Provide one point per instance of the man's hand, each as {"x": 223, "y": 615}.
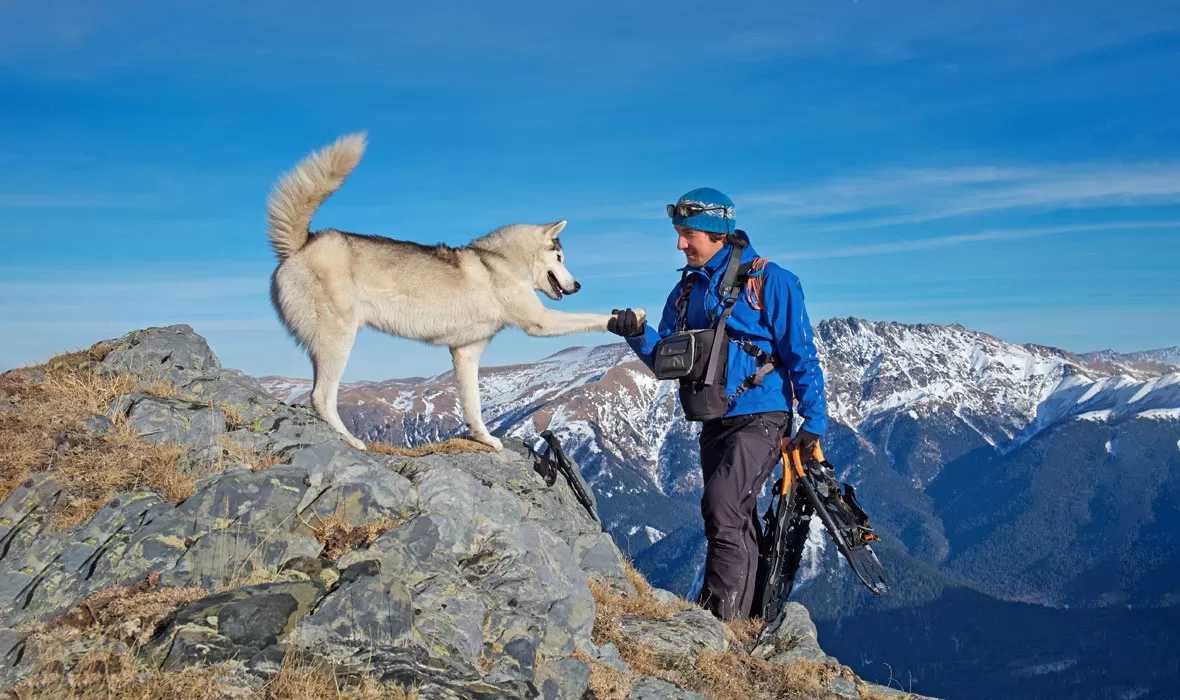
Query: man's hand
{"x": 626, "y": 323}
{"x": 805, "y": 441}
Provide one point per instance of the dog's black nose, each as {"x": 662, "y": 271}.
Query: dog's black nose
{"x": 577, "y": 286}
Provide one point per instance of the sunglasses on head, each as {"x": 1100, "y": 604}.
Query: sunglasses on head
{"x": 690, "y": 209}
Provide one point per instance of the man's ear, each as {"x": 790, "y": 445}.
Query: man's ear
{"x": 554, "y": 230}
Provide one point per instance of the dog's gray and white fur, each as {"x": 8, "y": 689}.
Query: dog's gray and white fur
{"x": 329, "y": 284}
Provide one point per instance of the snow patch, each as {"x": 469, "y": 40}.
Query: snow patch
{"x": 1051, "y": 667}
{"x": 653, "y": 535}
{"x": 1112, "y": 447}
{"x": 1095, "y": 416}
{"x": 1161, "y": 414}
{"x": 813, "y": 552}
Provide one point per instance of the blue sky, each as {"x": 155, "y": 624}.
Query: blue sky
{"x": 1010, "y": 166}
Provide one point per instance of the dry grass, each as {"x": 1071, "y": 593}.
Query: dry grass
{"x": 119, "y": 675}
{"x": 642, "y": 604}
{"x": 738, "y": 675}
{"x": 719, "y": 675}
{"x": 446, "y": 447}
{"x": 256, "y": 459}
{"x": 611, "y": 604}
{"x": 129, "y": 614}
{"x": 744, "y": 631}
{"x": 301, "y": 679}
{"x": 44, "y": 433}
{"x": 233, "y": 417}
{"x": 606, "y": 683}
{"x": 340, "y": 537}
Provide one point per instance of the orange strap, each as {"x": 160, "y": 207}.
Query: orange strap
{"x": 795, "y": 461}
{"x": 754, "y": 284}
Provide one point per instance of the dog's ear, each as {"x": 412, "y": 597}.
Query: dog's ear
{"x": 555, "y": 229}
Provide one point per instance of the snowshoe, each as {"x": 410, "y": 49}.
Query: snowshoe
{"x": 806, "y": 490}
{"x": 845, "y": 520}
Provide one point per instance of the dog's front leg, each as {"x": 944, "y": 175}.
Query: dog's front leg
{"x": 466, "y": 360}
{"x": 553, "y": 323}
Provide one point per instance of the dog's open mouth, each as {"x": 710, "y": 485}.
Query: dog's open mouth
{"x": 557, "y": 290}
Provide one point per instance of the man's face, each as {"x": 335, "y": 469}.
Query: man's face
{"x": 698, "y": 247}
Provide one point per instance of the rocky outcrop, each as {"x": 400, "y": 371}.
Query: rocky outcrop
{"x": 473, "y": 584}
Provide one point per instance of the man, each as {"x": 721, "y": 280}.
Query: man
{"x": 740, "y": 449}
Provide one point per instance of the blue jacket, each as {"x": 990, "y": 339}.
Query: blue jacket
{"x": 781, "y": 328}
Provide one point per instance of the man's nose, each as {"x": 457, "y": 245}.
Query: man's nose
{"x": 681, "y": 244}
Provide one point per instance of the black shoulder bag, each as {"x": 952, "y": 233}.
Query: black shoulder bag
{"x": 695, "y": 356}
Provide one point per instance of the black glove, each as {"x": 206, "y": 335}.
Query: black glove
{"x": 805, "y": 441}
{"x": 626, "y": 323}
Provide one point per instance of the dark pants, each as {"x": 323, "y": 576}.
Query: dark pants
{"x": 737, "y": 456}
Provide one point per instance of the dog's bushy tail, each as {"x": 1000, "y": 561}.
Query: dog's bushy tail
{"x": 301, "y": 191}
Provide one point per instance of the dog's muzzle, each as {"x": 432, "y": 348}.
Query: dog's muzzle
{"x": 557, "y": 288}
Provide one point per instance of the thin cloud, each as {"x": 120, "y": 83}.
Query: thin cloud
{"x": 960, "y": 239}
{"x": 907, "y": 196}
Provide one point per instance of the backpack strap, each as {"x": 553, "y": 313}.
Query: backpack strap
{"x": 729, "y": 290}
{"x": 682, "y": 302}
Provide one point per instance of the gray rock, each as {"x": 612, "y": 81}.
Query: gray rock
{"x": 54, "y": 574}
{"x": 351, "y": 485}
{"x": 206, "y": 459}
{"x": 232, "y": 389}
{"x": 372, "y": 604}
{"x": 174, "y": 354}
{"x": 22, "y": 515}
{"x": 665, "y": 597}
{"x": 843, "y": 688}
{"x": 790, "y": 637}
{"x": 597, "y": 554}
{"x": 193, "y": 645}
{"x": 608, "y": 654}
{"x": 294, "y": 427}
{"x": 560, "y": 679}
{"x": 434, "y": 676}
{"x": 681, "y": 636}
{"x": 652, "y": 688}
{"x": 98, "y": 424}
{"x": 175, "y": 421}
{"x": 247, "y": 439}
{"x": 238, "y": 623}
{"x": 8, "y": 639}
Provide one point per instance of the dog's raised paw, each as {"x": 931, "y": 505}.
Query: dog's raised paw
{"x": 641, "y": 314}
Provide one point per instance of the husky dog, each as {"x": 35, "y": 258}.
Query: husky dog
{"x": 330, "y": 283}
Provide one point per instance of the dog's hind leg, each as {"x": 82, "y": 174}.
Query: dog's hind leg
{"x": 466, "y": 359}
{"x": 329, "y": 356}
